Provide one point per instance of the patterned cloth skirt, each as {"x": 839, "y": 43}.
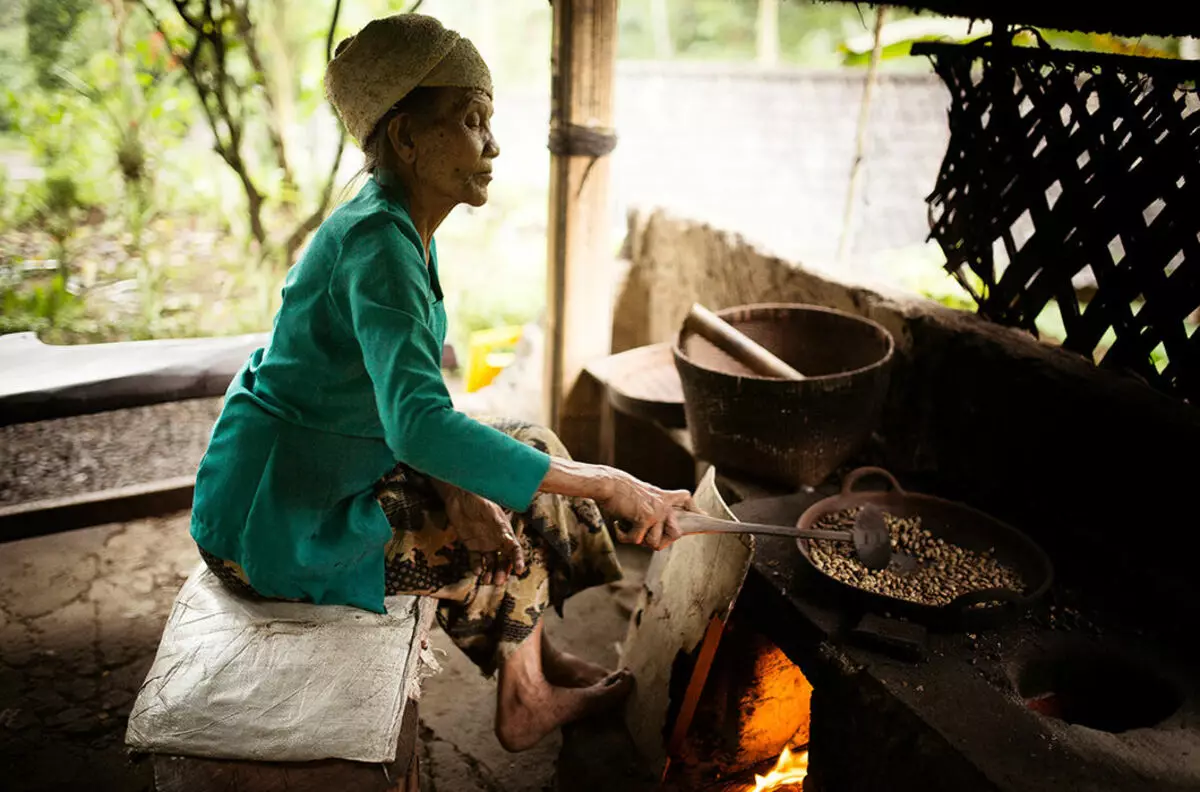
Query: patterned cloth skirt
{"x": 567, "y": 549}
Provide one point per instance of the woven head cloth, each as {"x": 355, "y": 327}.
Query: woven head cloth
{"x": 383, "y": 62}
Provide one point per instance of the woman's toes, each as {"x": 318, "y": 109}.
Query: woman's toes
{"x": 567, "y": 670}
{"x": 621, "y": 681}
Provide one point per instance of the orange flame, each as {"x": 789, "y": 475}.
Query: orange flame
{"x": 790, "y": 770}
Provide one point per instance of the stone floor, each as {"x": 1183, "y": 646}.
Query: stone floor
{"x": 80, "y": 618}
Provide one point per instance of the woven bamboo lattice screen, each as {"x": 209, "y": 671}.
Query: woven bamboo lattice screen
{"x": 1072, "y": 182}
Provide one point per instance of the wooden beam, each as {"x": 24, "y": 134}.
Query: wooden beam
{"x": 581, "y": 265}
{"x": 122, "y": 504}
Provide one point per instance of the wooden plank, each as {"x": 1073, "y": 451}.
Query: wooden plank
{"x": 580, "y": 276}
{"x": 691, "y": 697}
{"x": 689, "y": 593}
{"x": 194, "y": 774}
{"x": 135, "y": 502}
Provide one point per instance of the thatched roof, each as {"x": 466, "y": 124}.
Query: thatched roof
{"x": 1131, "y": 19}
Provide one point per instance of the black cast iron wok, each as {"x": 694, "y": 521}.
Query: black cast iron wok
{"x": 955, "y": 523}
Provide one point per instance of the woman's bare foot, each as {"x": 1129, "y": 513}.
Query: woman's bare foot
{"x": 567, "y": 670}
{"x": 528, "y": 707}
{"x": 529, "y": 713}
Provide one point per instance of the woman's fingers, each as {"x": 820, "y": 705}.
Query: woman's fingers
{"x": 516, "y": 565}
{"x": 626, "y": 531}
{"x": 487, "y": 531}
{"x": 671, "y": 529}
{"x": 654, "y": 536}
{"x": 682, "y": 499}
{"x": 647, "y": 512}
{"x": 511, "y": 550}
{"x": 643, "y": 521}
{"x": 485, "y": 576}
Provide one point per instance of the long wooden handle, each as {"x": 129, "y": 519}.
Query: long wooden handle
{"x": 696, "y": 523}
{"x": 738, "y": 345}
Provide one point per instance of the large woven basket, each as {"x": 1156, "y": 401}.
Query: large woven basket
{"x": 792, "y": 433}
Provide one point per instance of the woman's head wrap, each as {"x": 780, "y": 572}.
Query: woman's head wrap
{"x": 383, "y": 62}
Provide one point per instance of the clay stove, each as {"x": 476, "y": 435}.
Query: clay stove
{"x": 1069, "y": 697}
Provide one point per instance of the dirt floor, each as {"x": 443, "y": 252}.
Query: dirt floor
{"x": 80, "y": 618}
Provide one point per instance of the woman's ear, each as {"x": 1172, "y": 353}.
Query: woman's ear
{"x": 399, "y": 132}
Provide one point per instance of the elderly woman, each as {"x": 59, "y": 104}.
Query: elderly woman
{"x": 338, "y": 471}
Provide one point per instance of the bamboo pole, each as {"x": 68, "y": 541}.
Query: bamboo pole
{"x": 860, "y": 138}
{"x": 580, "y": 262}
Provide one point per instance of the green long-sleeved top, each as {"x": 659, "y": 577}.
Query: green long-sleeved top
{"x": 348, "y": 385}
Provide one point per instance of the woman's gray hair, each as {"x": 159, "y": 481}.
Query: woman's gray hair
{"x": 420, "y": 103}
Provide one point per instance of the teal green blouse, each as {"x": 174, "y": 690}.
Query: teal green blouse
{"x": 348, "y": 384}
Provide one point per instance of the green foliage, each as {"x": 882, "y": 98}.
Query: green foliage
{"x": 921, "y": 269}
{"x": 9, "y": 200}
{"x": 903, "y": 29}
{"x": 38, "y": 308}
{"x": 19, "y": 202}
{"x": 60, "y": 135}
{"x": 102, "y": 121}
{"x": 698, "y": 29}
{"x": 714, "y": 28}
{"x": 49, "y": 25}
{"x": 61, "y": 207}
{"x": 12, "y": 51}
{"x": 809, "y": 33}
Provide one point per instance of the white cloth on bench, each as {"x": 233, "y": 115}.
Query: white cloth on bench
{"x": 236, "y": 678}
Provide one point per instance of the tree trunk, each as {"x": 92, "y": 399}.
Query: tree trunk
{"x": 275, "y": 130}
{"x": 768, "y": 32}
{"x": 283, "y": 65}
{"x": 254, "y": 202}
{"x": 660, "y": 23}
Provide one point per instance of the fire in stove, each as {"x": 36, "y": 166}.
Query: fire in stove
{"x": 789, "y": 773}
{"x": 753, "y": 711}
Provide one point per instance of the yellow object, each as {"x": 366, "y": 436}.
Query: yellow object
{"x": 488, "y": 352}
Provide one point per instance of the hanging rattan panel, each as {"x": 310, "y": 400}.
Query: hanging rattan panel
{"x": 1073, "y": 180}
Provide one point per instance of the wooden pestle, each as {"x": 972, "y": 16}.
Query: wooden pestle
{"x": 738, "y": 345}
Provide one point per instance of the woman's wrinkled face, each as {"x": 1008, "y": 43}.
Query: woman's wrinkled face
{"x": 452, "y": 154}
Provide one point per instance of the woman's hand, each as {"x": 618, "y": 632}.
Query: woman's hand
{"x": 649, "y": 511}
{"x": 486, "y": 530}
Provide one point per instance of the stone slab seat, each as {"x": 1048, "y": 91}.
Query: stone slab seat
{"x": 259, "y": 695}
